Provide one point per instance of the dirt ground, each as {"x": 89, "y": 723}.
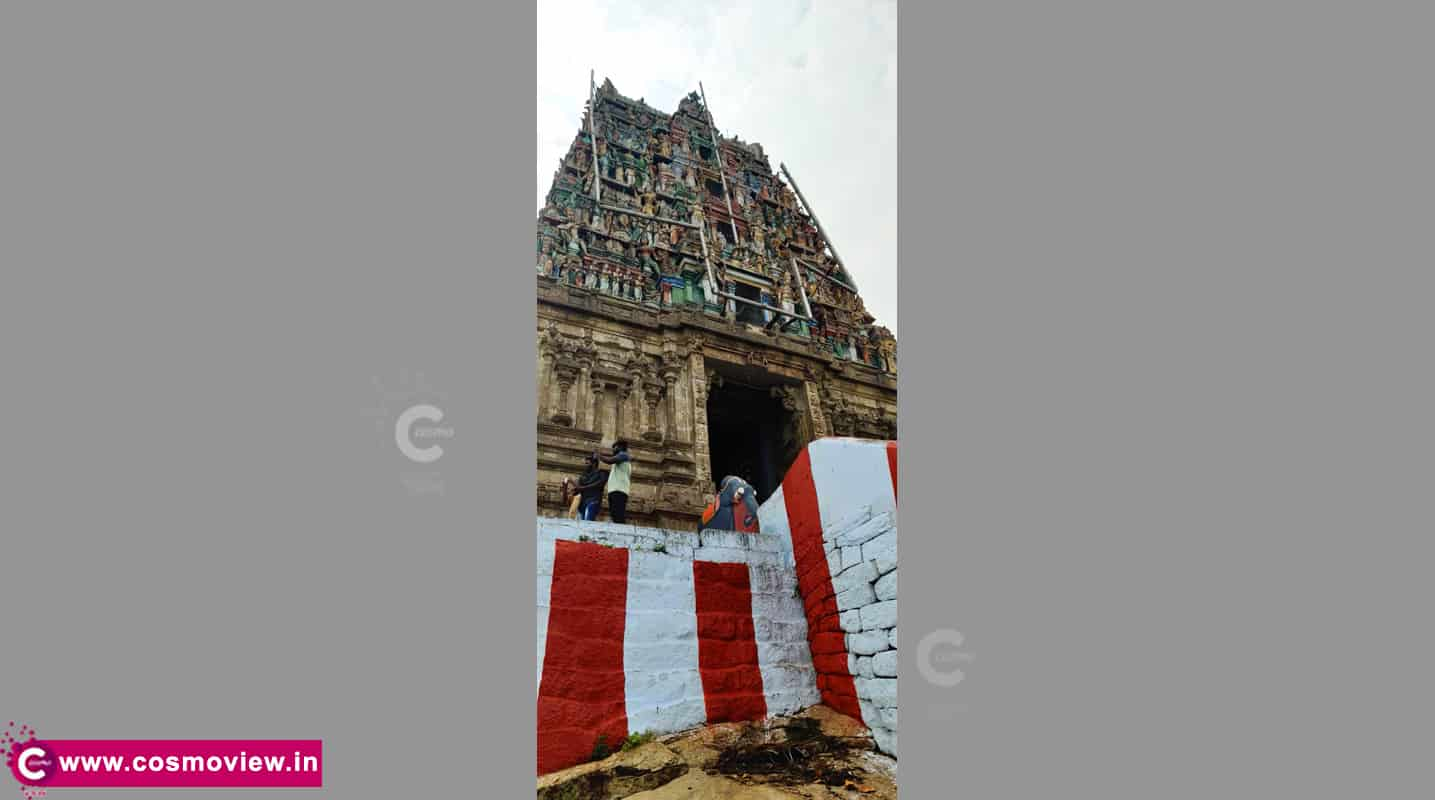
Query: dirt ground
{"x": 817, "y": 754}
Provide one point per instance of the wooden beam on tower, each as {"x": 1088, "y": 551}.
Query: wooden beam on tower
{"x": 593, "y": 140}
{"x": 808, "y": 208}
{"x": 722, "y": 172}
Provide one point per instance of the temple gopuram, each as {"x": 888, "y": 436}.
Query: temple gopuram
{"x": 690, "y": 302}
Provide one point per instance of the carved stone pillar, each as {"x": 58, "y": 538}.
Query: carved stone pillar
{"x": 547, "y": 357}
{"x": 595, "y": 417}
{"x": 581, "y": 396}
{"x": 544, "y": 390}
{"x": 652, "y": 395}
{"x": 670, "y": 391}
{"x": 624, "y": 391}
{"x": 818, "y": 420}
{"x": 566, "y": 374}
{"x": 792, "y": 398}
{"x": 701, "y": 457}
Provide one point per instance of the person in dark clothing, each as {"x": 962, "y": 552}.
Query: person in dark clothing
{"x": 590, "y": 489}
{"x": 620, "y": 479}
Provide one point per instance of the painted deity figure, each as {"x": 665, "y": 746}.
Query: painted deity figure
{"x": 735, "y": 508}
{"x": 784, "y": 295}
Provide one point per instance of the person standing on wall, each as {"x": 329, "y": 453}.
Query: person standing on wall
{"x": 620, "y": 479}
{"x": 589, "y": 490}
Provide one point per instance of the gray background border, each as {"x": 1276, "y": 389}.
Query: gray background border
{"x": 1164, "y": 378}
{"x": 236, "y": 236}
{"x": 1166, "y": 397}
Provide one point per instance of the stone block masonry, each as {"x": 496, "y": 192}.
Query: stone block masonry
{"x": 642, "y": 629}
{"x": 645, "y": 629}
{"x": 838, "y": 507}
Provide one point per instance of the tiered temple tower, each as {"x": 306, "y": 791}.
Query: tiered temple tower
{"x": 690, "y": 302}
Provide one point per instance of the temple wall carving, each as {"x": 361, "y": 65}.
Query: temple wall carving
{"x": 600, "y": 378}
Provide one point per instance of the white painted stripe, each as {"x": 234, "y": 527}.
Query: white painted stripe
{"x": 789, "y": 682}
{"x": 852, "y": 478}
{"x": 853, "y": 481}
{"x": 545, "y": 587}
{"x": 772, "y": 519}
{"x": 663, "y": 687}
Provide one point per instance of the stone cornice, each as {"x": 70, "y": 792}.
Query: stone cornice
{"x": 717, "y": 334}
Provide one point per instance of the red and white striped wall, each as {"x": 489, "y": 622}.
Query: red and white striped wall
{"x": 645, "y": 629}
{"x": 837, "y": 507}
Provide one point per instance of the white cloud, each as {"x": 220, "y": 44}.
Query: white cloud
{"x": 815, "y": 82}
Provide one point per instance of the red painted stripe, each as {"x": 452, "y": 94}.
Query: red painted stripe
{"x": 581, "y": 695}
{"x": 814, "y": 581}
{"x": 727, "y": 643}
{"x": 892, "y": 465}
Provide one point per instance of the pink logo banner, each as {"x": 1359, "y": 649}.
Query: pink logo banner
{"x": 164, "y": 763}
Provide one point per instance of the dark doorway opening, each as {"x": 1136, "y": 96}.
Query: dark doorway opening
{"x": 750, "y": 434}
{"x": 747, "y": 312}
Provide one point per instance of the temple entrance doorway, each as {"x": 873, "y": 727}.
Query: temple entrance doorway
{"x": 750, "y": 433}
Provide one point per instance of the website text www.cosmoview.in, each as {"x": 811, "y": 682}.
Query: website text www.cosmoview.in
{"x": 168, "y": 763}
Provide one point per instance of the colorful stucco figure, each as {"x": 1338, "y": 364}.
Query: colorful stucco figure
{"x": 735, "y": 508}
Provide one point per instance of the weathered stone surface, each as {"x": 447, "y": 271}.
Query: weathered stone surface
{"x": 886, "y": 740}
{"x": 860, "y": 574}
{"x": 880, "y": 691}
{"x": 884, "y": 664}
{"x": 856, "y": 597}
{"x": 879, "y": 615}
{"x": 882, "y": 547}
{"x": 860, "y": 529}
{"x": 865, "y": 667}
{"x": 722, "y": 555}
{"x": 886, "y": 586}
{"x": 867, "y": 643}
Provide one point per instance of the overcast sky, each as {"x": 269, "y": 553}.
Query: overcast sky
{"x": 815, "y": 82}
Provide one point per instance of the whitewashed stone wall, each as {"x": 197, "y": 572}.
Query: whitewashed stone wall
{"x": 664, "y": 690}
{"x": 855, "y": 488}
{"x": 862, "y": 552}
